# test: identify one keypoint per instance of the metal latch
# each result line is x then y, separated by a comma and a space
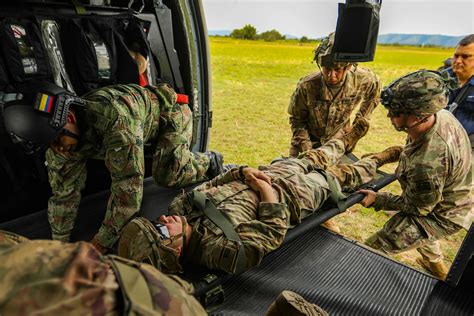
213, 297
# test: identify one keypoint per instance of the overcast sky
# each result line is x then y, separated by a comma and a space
316, 18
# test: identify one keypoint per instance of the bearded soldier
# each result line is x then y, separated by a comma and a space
434, 172
323, 102
113, 124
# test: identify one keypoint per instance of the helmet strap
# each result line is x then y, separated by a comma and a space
185, 226
407, 128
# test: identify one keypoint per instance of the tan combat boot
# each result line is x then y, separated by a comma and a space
438, 269
391, 154
332, 226
291, 304
358, 130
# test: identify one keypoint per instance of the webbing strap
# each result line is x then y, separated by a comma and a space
460, 97
134, 287
201, 201
336, 195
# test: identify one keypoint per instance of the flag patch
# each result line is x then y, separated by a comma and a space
44, 102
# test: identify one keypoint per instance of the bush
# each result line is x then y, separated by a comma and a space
247, 32
304, 39
271, 36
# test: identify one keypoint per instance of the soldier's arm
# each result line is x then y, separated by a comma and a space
220, 179
124, 159
67, 176
370, 99
298, 112
259, 237
423, 192
264, 234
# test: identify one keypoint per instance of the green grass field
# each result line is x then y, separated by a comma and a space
252, 84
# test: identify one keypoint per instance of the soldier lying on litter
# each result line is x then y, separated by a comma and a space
233, 221
113, 124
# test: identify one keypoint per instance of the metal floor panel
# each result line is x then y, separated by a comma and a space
342, 277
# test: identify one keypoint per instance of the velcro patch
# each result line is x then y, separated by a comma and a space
44, 102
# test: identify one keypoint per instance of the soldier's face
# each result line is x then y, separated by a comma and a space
334, 75
175, 226
64, 144
463, 61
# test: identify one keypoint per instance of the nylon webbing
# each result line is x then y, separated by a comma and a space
201, 201
460, 97
336, 195
134, 287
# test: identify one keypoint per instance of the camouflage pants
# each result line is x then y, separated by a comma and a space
406, 231
349, 176
174, 164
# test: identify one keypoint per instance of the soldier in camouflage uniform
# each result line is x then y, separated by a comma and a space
261, 205
44, 277
434, 172
115, 124
322, 103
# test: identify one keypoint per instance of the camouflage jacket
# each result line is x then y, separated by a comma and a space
44, 277
435, 174
316, 115
116, 123
261, 226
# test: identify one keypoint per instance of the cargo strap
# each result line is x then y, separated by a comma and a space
136, 294
462, 95
201, 201
336, 195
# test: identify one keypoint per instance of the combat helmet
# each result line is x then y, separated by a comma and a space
143, 241
34, 121
422, 93
323, 54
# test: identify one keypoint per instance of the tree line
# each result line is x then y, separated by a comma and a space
249, 32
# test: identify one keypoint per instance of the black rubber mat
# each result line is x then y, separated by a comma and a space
342, 277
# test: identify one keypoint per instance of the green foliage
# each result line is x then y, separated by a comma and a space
304, 39
271, 36
252, 85
247, 32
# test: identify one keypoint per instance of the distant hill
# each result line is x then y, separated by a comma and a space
419, 39
218, 32
400, 39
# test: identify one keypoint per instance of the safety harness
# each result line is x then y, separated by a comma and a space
137, 298
202, 203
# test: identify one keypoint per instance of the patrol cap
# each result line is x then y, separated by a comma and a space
423, 92
323, 53
34, 121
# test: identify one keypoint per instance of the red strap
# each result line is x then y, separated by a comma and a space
182, 98
143, 80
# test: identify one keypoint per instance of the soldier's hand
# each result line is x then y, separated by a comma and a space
369, 198
254, 173
263, 187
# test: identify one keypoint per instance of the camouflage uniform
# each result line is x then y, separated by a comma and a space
318, 112
44, 277
118, 122
435, 175
301, 187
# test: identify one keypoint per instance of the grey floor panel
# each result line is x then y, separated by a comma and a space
341, 276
